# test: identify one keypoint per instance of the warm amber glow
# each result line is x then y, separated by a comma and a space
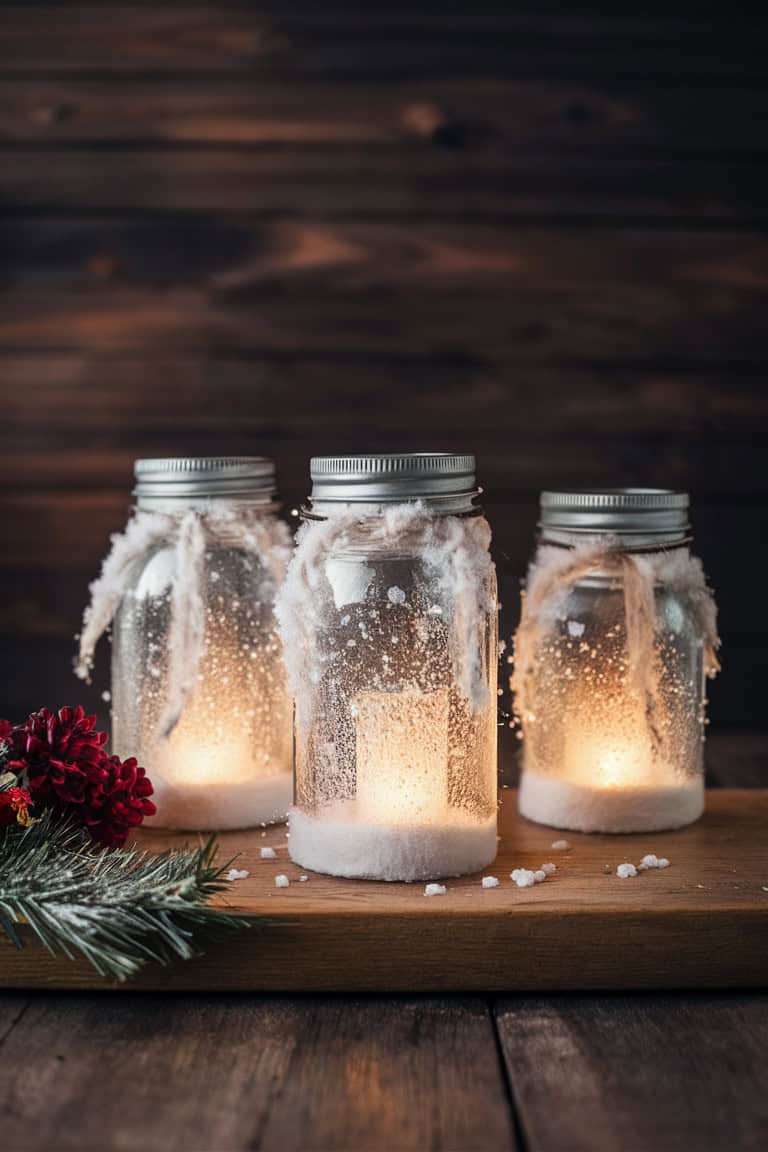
615, 756
402, 756
192, 761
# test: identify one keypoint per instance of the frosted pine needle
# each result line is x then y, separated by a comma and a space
118, 908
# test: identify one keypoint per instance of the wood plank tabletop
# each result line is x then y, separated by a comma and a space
700, 923
595, 1072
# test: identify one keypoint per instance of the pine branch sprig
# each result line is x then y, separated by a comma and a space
119, 908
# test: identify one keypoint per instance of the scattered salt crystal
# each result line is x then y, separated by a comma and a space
281, 881
490, 882
540, 876
549, 869
575, 629
649, 861
624, 871
435, 890
303, 879
523, 877
560, 845
395, 595
268, 854
663, 862
237, 874
106, 697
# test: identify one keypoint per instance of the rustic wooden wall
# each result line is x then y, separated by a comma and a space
293, 226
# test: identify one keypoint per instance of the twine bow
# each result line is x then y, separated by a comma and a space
190, 534
556, 570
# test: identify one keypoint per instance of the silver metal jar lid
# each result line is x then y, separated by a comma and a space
655, 515
445, 481
197, 479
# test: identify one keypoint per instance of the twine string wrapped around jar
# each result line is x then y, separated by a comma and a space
556, 569
618, 632
457, 548
237, 527
388, 622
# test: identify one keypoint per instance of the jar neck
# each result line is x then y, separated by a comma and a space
214, 506
370, 513
616, 542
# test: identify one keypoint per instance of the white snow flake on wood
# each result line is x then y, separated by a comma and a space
560, 845
435, 890
490, 881
268, 854
549, 869
540, 876
237, 874
663, 862
281, 881
523, 877
624, 871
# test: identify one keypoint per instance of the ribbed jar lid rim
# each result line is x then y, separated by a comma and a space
191, 477
438, 478
651, 512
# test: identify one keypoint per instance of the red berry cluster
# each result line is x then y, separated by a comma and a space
60, 759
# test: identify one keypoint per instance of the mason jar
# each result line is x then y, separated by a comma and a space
199, 693
389, 622
617, 634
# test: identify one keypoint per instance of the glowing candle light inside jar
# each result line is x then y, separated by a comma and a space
198, 680
608, 759
617, 633
611, 778
388, 621
402, 756
217, 763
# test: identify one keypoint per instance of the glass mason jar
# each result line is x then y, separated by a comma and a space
618, 630
199, 693
389, 621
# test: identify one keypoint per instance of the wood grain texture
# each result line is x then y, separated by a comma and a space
361, 182
593, 1074
395, 41
242, 1073
453, 114
519, 294
702, 923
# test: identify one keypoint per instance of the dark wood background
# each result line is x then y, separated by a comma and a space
287, 227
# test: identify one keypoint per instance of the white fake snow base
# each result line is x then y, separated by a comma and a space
344, 847
222, 805
547, 800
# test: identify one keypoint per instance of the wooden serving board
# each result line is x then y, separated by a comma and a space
701, 923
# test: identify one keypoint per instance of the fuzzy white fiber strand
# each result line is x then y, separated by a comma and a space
186, 634
555, 571
144, 530
455, 548
189, 533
